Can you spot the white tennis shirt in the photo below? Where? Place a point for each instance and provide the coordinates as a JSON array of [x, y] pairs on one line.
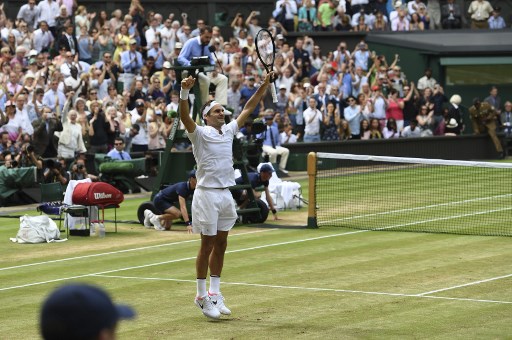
[[213, 153]]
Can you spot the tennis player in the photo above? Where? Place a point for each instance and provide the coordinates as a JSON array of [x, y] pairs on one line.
[[213, 208]]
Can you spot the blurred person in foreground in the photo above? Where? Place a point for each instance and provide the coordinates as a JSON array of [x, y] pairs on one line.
[[80, 312], [213, 209]]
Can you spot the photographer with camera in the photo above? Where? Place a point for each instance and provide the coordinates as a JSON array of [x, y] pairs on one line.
[[44, 141], [54, 172], [198, 47], [79, 171], [28, 157]]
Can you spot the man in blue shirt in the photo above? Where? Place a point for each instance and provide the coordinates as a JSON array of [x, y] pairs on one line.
[[118, 152], [256, 180], [164, 201], [198, 47], [272, 143], [246, 93], [131, 62]]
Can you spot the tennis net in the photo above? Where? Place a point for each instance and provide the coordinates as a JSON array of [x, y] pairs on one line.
[[411, 194]]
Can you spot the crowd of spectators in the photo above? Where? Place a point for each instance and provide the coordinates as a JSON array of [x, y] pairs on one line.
[[72, 81]]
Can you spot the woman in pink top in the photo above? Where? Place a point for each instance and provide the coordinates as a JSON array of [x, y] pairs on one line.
[[395, 108]]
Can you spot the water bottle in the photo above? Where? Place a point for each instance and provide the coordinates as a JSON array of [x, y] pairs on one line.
[[92, 230], [101, 230]]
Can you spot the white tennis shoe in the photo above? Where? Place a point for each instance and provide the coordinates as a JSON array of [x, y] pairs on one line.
[[155, 220], [147, 216], [218, 301], [207, 307]]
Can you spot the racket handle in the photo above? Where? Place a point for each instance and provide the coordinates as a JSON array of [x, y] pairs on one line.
[[273, 91]]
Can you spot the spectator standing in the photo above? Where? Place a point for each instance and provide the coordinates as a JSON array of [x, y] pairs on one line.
[[312, 119], [451, 15], [44, 132], [54, 98], [99, 127], [48, 11], [290, 10], [131, 63], [325, 14], [247, 92], [70, 139], [139, 117], [426, 81], [480, 11], [395, 108], [494, 99], [331, 122], [30, 14], [354, 115], [506, 119], [496, 21]]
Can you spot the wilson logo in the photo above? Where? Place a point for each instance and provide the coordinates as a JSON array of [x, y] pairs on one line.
[[101, 195]]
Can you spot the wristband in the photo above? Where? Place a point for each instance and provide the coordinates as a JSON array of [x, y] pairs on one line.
[[274, 211], [188, 223], [184, 94]]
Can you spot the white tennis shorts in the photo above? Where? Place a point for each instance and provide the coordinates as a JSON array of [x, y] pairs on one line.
[[212, 210]]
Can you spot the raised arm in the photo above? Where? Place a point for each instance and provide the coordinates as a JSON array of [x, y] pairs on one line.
[[254, 100], [186, 85]]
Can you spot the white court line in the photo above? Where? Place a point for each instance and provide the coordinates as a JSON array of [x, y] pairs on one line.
[[178, 260], [229, 251], [123, 251], [418, 208], [466, 284], [310, 289]]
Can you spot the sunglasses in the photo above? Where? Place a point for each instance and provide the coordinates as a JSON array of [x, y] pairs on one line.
[[118, 143]]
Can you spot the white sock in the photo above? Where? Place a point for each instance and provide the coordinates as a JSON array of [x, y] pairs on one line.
[[214, 285], [201, 287]]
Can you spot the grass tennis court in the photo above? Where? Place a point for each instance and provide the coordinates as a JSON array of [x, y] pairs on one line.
[[280, 283]]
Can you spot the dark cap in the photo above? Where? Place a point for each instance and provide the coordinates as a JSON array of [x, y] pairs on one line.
[[192, 173], [136, 127], [80, 311], [266, 168]]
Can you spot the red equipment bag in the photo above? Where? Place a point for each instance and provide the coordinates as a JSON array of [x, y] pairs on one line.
[[97, 193]]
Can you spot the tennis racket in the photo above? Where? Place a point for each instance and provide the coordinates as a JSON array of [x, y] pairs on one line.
[[266, 49]]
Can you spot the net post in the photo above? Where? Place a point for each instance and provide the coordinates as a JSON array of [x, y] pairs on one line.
[[312, 190]]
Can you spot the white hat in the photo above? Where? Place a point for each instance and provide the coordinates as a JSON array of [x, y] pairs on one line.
[[30, 74], [178, 45], [32, 53], [398, 4], [282, 87], [452, 124], [280, 37], [167, 64], [456, 99]]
